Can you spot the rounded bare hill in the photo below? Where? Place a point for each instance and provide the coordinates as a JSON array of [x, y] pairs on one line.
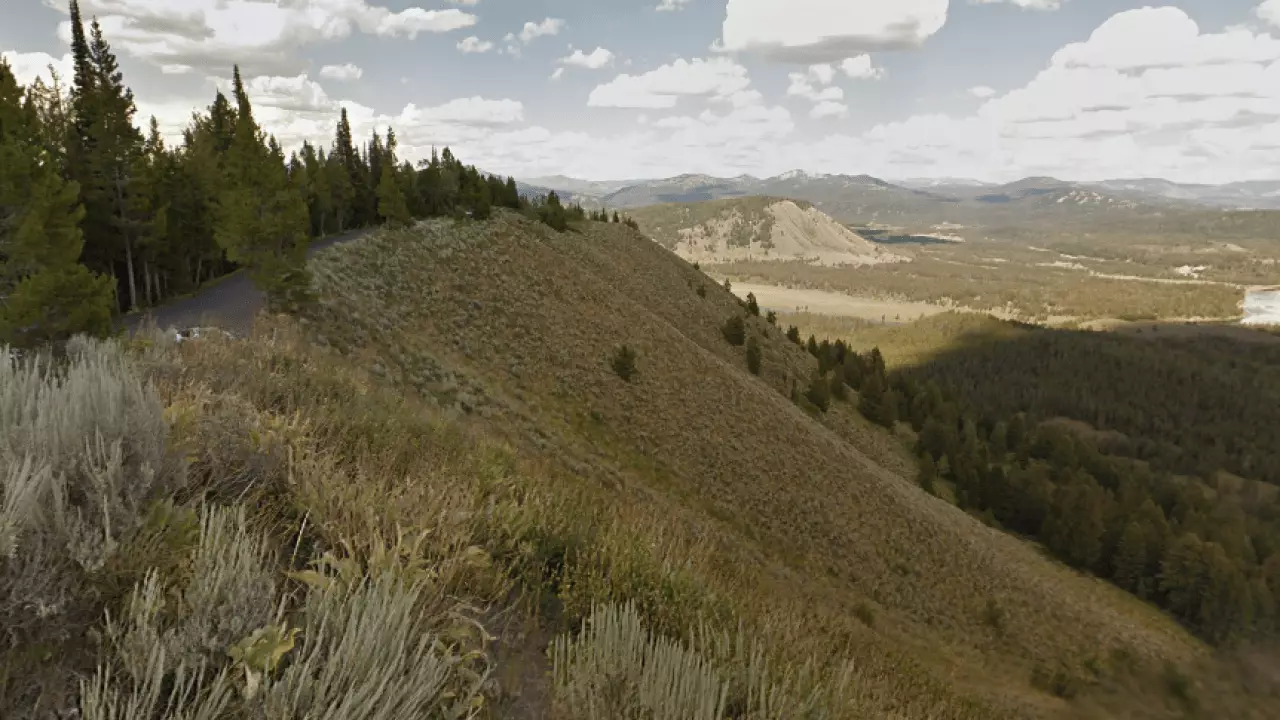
[[517, 324], [757, 228]]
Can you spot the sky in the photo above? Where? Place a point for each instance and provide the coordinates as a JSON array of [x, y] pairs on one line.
[[995, 90]]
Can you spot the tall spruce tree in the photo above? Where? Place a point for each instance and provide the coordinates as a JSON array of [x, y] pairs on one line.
[[345, 189], [262, 220], [392, 208], [101, 153]]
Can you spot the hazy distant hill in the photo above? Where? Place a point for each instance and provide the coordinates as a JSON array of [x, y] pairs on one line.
[[1248, 195], [682, 188], [581, 187], [757, 229], [939, 184]]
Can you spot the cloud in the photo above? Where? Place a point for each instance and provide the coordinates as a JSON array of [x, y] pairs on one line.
[[823, 73], [597, 59], [1168, 37], [345, 72], [474, 44], [861, 68], [982, 91], [802, 86], [672, 5], [827, 109], [289, 93], [742, 98], [1269, 11], [533, 31], [29, 66], [660, 88], [1026, 4], [209, 35], [1168, 100], [475, 111], [823, 31], [465, 2], [559, 73], [1167, 75]]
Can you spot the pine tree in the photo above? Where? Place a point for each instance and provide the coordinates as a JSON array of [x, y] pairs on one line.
[[148, 209], [512, 197], [734, 331], [927, 478], [839, 390], [106, 147], [46, 294], [1073, 529], [552, 212], [876, 403], [1130, 562], [819, 392], [753, 307], [753, 356], [262, 220], [391, 203], [82, 87], [347, 160]]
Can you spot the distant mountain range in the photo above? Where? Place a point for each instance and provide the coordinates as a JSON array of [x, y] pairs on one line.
[[867, 198]]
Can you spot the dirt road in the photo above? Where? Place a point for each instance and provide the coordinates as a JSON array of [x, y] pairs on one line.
[[230, 303]]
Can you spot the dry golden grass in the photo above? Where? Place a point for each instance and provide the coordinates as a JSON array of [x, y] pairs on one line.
[[773, 518]]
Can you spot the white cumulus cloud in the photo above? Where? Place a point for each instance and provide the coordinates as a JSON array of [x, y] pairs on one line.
[[346, 71], [1269, 11], [822, 31], [593, 60], [672, 5], [982, 91], [660, 88], [827, 109], [474, 44], [533, 31], [802, 85], [297, 93], [861, 68]]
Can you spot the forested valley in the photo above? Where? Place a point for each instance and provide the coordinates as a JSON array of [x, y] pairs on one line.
[[1149, 463], [99, 218]]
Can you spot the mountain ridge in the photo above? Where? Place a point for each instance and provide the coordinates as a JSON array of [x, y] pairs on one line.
[[804, 185]]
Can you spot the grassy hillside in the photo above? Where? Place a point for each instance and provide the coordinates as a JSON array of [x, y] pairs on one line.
[[439, 454]]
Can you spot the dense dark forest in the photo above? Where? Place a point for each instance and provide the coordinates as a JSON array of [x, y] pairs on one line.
[[1185, 405], [98, 217], [1108, 450]]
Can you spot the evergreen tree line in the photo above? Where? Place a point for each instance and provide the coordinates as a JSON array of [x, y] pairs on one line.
[[98, 218], [1208, 556]]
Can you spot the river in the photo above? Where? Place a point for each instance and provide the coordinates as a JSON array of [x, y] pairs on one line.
[[1262, 307]]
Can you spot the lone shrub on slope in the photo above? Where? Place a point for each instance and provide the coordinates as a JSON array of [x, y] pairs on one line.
[[624, 362], [753, 356], [734, 331]]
